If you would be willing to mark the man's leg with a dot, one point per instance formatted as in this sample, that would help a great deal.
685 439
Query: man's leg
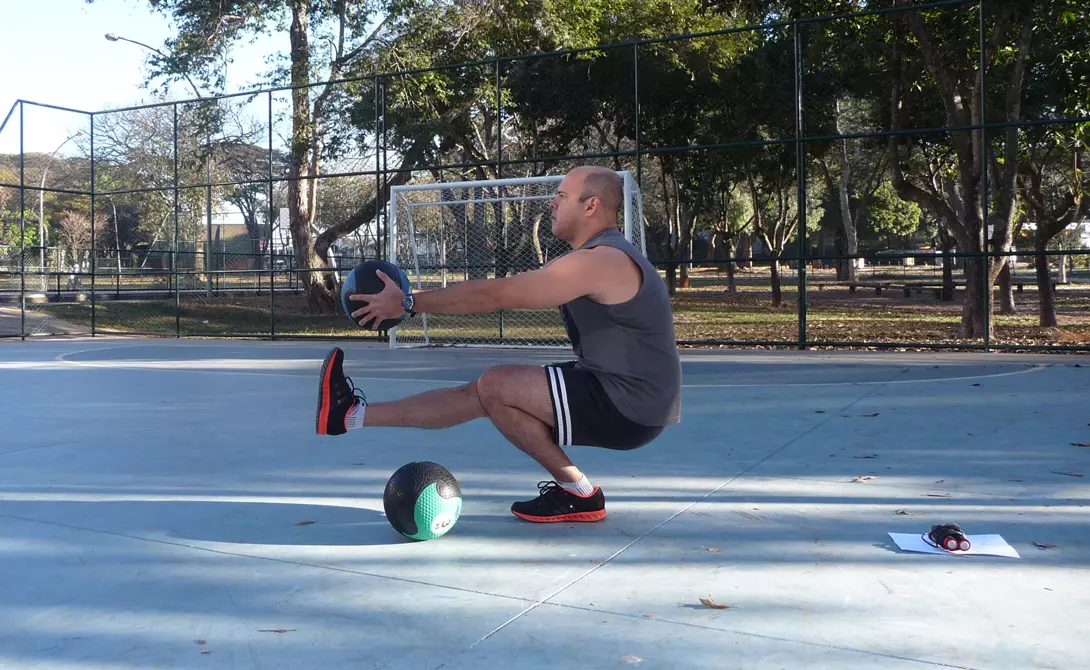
515 398
518 401
432 410
341 407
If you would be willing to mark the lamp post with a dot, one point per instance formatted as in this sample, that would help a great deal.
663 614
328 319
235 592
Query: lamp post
207 164
41 208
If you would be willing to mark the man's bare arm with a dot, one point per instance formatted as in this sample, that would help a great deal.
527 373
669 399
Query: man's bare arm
562 280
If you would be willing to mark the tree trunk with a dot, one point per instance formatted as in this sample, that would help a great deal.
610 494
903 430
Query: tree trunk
731 287
671 278
1061 267
1045 299
851 240
972 313
1006 293
947 265
744 251
536 238
301 207
369 211
947 278
477 238
684 242
777 294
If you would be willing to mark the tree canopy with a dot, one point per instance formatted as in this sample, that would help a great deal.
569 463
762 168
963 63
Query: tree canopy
902 71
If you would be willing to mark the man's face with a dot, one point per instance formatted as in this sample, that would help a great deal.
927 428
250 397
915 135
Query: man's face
567 208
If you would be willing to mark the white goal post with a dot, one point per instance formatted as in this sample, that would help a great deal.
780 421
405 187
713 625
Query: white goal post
448 232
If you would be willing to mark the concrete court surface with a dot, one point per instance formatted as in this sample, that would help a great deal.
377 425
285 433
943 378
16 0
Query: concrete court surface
152 494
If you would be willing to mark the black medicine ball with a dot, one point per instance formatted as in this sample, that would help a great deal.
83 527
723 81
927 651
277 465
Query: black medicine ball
422 500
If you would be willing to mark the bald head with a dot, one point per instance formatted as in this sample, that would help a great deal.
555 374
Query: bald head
588 200
603 183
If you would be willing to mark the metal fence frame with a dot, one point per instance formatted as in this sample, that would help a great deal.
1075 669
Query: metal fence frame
382 176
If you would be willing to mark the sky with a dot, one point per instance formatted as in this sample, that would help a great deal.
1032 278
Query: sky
55 52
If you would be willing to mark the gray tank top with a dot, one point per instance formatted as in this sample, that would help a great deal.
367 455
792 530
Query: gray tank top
631 347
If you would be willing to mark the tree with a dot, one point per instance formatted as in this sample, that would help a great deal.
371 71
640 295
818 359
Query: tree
947 177
771 183
74 237
341 32
852 187
241 155
887 214
1052 180
1056 197
134 151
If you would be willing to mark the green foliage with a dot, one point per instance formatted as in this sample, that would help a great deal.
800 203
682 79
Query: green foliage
888 214
728 88
9 228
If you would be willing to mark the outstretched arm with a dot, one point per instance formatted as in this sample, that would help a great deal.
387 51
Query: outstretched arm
571 276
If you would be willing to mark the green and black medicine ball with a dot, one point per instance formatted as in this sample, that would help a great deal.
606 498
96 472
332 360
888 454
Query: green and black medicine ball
422 500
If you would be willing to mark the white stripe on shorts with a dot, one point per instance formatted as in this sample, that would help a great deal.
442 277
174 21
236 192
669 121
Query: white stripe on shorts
560 404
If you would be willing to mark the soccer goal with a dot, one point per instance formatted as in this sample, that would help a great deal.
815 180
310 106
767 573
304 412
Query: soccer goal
448 232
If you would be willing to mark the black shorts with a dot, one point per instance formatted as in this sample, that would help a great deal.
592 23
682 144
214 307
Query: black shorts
585 416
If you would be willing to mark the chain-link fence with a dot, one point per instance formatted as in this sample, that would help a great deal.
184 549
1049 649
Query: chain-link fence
898 176
448 232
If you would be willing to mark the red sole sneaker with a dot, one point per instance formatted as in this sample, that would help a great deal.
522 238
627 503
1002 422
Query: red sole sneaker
561 518
555 504
324 403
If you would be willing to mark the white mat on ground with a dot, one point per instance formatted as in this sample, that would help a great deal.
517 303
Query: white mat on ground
982 545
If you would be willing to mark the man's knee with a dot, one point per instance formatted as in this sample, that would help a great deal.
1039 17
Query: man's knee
493 385
507 384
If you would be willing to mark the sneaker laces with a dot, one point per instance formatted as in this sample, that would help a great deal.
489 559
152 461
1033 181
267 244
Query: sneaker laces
547 487
356 393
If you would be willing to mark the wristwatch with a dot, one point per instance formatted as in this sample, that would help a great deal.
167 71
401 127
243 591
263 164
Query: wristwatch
407 303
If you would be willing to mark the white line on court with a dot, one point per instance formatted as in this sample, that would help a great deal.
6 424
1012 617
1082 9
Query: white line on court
306 365
232 366
1033 368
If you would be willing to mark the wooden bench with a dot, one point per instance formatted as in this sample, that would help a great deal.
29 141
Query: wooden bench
877 286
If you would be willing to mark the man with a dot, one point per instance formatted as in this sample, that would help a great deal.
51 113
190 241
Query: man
620 393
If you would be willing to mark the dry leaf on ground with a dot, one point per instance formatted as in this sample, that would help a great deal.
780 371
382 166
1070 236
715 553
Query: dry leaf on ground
1042 545
708 602
864 478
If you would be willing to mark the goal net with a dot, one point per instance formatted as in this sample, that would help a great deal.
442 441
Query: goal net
448 232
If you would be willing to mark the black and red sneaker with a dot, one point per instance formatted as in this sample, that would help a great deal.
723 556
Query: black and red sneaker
557 504
336 395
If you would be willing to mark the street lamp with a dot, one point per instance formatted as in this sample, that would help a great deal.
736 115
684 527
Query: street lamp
41 208
207 162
